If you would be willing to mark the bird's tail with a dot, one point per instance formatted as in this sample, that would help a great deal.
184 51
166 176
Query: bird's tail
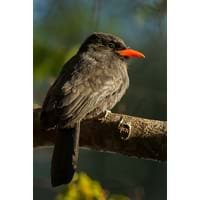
65 155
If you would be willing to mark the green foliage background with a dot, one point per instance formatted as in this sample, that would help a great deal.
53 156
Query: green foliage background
60 26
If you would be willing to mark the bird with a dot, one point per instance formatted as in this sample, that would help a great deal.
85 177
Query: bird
90 83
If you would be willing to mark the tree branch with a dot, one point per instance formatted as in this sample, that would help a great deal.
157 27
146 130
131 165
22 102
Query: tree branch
134 136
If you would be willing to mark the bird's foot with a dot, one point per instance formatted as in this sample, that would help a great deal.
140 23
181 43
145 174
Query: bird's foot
104 115
124 128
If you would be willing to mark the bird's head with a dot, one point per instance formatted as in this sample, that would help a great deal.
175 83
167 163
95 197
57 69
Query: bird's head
108 42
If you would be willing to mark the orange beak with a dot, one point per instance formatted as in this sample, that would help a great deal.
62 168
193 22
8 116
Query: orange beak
130 53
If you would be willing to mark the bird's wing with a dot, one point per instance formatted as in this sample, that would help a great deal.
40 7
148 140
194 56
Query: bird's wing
49 117
81 98
76 92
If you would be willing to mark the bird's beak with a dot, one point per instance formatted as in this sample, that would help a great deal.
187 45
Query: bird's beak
130 53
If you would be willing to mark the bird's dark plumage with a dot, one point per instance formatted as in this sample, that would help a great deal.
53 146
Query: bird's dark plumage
91 82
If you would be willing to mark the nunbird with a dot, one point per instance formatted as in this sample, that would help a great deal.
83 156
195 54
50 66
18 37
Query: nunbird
90 83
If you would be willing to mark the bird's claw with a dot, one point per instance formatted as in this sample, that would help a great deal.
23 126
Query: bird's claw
125 129
104 115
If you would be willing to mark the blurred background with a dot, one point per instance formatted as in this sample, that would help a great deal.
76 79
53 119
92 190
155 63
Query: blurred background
60 26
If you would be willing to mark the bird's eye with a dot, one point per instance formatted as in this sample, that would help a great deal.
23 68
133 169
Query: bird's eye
111 45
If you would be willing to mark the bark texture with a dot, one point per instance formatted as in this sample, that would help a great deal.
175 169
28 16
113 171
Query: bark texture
128 135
